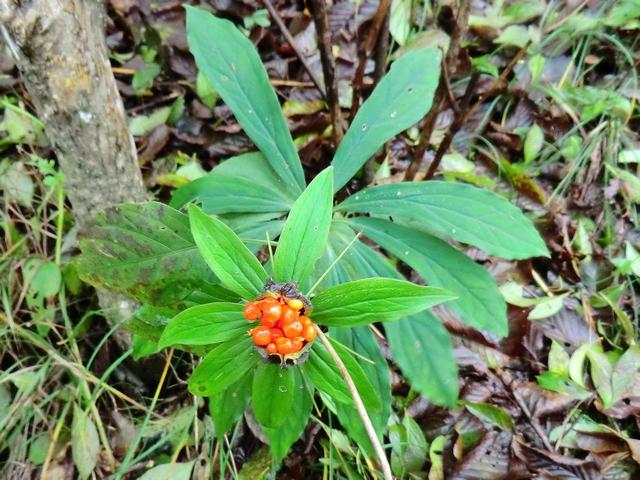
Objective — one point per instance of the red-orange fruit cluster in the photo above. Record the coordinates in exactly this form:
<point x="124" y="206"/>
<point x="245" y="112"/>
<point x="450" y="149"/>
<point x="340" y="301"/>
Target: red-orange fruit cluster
<point x="284" y="329"/>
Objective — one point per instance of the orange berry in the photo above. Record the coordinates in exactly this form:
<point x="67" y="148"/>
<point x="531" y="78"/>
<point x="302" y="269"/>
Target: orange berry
<point x="288" y="315"/>
<point x="306" y="321"/>
<point x="310" y="333"/>
<point x="276" y="333"/>
<point x="272" y="348"/>
<point x="285" y="345"/>
<point x="252" y="311"/>
<point x="261" y="336"/>
<point x="270" y="313"/>
<point x="297" y="345"/>
<point x="295" y="303"/>
<point x="293" y="329"/>
<point x="269" y="300"/>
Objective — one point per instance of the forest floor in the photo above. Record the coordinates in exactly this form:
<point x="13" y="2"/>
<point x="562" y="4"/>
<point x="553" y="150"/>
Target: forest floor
<point x="540" y="102"/>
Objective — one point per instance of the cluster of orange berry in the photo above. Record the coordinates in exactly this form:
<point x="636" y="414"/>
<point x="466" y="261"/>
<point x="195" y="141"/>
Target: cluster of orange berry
<point x="284" y="329"/>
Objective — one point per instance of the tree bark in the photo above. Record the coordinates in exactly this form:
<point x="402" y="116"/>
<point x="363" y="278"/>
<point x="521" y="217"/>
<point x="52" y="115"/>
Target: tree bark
<point x="61" y="53"/>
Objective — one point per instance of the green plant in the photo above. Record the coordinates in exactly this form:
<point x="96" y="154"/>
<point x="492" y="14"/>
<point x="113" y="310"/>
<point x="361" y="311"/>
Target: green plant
<point x="192" y="272"/>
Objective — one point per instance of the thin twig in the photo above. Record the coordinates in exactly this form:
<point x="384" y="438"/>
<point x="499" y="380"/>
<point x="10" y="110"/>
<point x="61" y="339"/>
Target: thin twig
<point x="287" y="35"/>
<point x="450" y="60"/>
<point x="368" y="426"/>
<point x="321" y="20"/>
<point x="455" y="126"/>
<point x="365" y="48"/>
<point x="382" y="50"/>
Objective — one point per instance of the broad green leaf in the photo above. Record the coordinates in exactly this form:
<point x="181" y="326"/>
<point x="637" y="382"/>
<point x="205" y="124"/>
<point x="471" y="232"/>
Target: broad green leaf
<point x="282" y="437"/>
<point x="373" y="300"/>
<point x="231" y="63"/>
<point x="169" y="471"/>
<point x="85" y="443"/>
<point x="462" y="212"/>
<point x="479" y="301"/>
<point x="304" y="236"/>
<point x="490" y="414"/>
<point x="400" y="100"/>
<point x="226" y="407"/>
<point x="223" y="366"/>
<point x="421" y="347"/>
<point x="205" y="324"/>
<point x="230" y="260"/>
<point x="362" y="341"/>
<point x="273" y="393"/>
<point x="245" y="183"/>
<point x="322" y="371"/>
<point x="145" y="251"/>
<point x="226" y="194"/>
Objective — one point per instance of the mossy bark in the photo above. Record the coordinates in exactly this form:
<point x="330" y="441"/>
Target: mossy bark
<point x="60" y="50"/>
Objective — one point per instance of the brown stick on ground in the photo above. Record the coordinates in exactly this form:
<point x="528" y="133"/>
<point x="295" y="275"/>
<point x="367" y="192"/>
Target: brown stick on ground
<point x="450" y="61"/>
<point x="321" y="20"/>
<point x="60" y="50"/>
<point x="289" y="38"/>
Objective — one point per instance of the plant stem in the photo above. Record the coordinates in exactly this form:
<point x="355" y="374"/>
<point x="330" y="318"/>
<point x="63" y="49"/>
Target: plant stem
<point x="368" y="426"/>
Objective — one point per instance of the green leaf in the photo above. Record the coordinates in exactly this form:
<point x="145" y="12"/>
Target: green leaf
<point x="232" y="65"/>
<point x="465" y="213"/>
<point x="400" y="100"/>
<point x="85" y="444"/>
<point x="533" y="143"/>
<point x="373" y="300"/>
<point x="304" y="236"/>
<point x="143" y="124"/>
<point x="490" y="414"/>
<point x="169" y="471"/>
<point x="220" y="193"/>
<point x="479" y="302"/>
<point x="46" y="280"/>
<point x="421" y="347"/>
<point x="362" y="341"/>
<point x="227" y="406"/>
<point x="230" y="260"/>
<point x="409" y="448"/>
<point x="273" y="392"/>
<point x="400" y="20"/>
<point x="322" y="371"/>
<point x="205" y="325"/>
<point x="145" y="251"/>
<point x="601" y="375"/>
<point x="223" y="366"/>
<point x="205" y="91"/>
<point x="245" y="183"/>
<point x="282" y="437"/>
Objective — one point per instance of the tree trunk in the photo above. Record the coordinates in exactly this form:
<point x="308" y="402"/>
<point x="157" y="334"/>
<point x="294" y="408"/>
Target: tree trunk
<point x="62" y="56"/>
